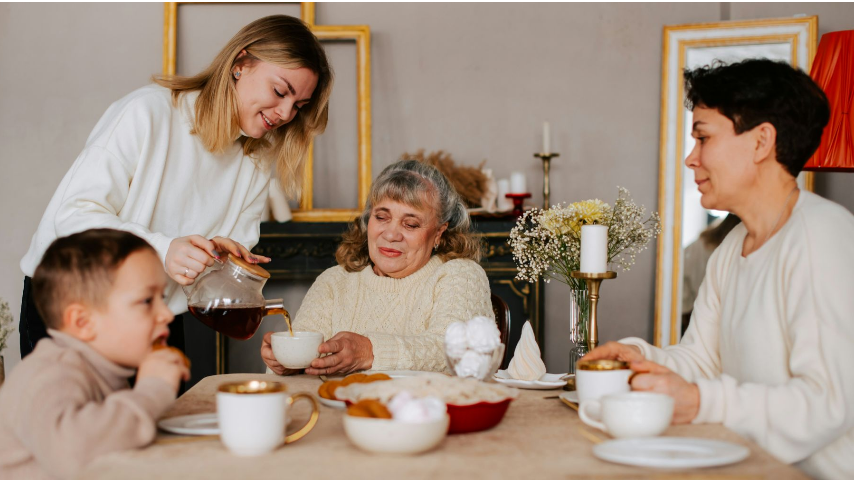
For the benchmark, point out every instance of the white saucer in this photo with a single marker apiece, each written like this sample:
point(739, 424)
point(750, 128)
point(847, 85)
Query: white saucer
point(332, 403)
point(671, 452)
point(198, 424)
point(569, 396)
point(548, 381)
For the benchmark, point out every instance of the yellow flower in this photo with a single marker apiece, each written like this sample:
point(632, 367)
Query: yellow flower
point(588, 212)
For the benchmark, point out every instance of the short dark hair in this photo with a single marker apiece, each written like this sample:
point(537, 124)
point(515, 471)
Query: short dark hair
point(755, 91)
point(81, 268)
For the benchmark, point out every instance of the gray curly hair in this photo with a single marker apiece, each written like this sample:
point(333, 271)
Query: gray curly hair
point(413, 183)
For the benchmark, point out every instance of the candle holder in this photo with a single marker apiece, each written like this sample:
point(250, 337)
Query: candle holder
point(547, 159)
point(593, 281)
point(518, 202)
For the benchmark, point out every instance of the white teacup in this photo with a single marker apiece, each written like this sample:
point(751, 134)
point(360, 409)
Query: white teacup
point(596, 378)
point(298, 351)
point(253, 416)
point(627, 415)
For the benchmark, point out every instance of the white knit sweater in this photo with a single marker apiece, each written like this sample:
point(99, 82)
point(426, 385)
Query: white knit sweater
point(771, 340)
point(142, 171)
point(406, 318)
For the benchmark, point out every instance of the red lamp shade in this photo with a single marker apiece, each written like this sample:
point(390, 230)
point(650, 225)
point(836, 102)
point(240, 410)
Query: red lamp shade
point(833, 71)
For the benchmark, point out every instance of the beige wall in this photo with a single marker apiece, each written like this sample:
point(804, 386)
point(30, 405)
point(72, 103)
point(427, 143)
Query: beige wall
point(474, 79)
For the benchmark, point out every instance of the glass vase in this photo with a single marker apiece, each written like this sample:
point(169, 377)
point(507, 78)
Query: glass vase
point(579, 315)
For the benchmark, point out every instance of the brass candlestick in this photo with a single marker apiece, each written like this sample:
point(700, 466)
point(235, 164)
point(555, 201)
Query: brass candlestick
point(547, 159)
point(593, 280)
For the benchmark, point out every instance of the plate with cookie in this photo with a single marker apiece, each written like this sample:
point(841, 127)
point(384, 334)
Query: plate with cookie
point(326, 391)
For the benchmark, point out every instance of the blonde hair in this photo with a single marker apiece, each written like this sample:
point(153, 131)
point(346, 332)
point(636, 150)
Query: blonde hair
point(412, 183)
point(280, 40)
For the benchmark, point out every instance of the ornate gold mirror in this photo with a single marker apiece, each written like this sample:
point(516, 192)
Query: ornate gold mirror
point(683, 218)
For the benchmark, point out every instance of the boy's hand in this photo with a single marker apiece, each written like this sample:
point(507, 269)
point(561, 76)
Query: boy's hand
point(164, 364)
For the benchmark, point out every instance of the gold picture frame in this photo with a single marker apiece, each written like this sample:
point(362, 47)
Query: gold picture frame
point(361, 34)
point(790, 39)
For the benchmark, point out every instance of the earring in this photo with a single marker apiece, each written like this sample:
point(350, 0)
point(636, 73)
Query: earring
point(237, 74)
point(436, 247)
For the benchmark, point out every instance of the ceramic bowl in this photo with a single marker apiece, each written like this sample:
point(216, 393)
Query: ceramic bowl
point(476, 417)
point(387, 436)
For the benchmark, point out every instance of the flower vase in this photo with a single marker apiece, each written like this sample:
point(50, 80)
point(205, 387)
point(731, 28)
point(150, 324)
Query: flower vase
point(579, 315)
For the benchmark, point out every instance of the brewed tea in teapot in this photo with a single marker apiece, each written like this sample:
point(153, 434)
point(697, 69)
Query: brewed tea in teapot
point(228, 298)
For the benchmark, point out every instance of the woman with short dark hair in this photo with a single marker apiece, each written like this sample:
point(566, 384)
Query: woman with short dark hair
point(770, 346)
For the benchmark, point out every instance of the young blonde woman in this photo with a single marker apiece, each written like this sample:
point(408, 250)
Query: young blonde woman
point(185, 163)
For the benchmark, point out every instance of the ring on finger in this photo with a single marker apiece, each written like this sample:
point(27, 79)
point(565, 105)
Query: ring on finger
point(187, 272)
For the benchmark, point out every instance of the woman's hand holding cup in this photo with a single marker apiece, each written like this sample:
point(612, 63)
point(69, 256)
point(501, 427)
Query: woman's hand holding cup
point(652, 377)
point(347, 352)
point(270, 359)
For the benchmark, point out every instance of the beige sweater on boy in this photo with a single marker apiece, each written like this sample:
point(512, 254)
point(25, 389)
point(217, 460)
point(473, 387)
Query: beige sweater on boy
point(65, 404)
point(405, 318)
point(771, 340)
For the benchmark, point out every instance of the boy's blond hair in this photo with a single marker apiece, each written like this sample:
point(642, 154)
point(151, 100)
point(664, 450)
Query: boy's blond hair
point(81, 268)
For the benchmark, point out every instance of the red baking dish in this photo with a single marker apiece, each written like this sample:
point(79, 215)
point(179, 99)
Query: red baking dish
point(476, 417)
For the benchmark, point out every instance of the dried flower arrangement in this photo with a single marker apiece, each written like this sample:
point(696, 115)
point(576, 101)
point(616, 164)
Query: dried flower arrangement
point(470, 182)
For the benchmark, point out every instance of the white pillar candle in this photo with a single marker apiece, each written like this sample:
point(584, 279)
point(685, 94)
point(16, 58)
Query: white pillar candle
point(504, 203)
point(546, 142)
point(517, 183)
point(594, 248)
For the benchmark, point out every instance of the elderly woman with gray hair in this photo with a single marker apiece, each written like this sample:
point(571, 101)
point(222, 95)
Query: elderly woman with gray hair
point(406, 270)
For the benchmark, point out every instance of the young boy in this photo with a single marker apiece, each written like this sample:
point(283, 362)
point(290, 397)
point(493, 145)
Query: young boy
point(100, 293)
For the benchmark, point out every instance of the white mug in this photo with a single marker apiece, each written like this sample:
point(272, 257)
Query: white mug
point(252, 416)
point(594, 384)
point(629, 415)
point(298, 351)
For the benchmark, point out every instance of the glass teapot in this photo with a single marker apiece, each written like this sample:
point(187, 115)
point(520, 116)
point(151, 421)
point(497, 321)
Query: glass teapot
point(228, 299)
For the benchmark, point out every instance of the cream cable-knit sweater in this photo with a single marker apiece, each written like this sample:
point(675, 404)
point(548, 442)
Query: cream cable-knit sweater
point(771, 340)
point(406, 318)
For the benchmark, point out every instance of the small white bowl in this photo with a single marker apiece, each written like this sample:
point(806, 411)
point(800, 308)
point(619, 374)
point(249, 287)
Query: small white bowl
point(387, 436)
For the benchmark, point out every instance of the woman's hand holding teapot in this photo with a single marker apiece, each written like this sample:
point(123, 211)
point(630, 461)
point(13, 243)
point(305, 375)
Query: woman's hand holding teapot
point(189, 256)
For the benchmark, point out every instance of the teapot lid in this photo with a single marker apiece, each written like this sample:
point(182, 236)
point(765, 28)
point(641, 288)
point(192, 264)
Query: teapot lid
point(249, 267)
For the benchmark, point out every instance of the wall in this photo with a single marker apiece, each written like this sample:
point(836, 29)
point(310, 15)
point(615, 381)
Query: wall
point(476, 80)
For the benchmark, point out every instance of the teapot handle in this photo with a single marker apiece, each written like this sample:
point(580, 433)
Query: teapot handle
point(189, 289)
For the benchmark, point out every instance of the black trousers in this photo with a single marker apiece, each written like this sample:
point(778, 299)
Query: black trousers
point(32, 327)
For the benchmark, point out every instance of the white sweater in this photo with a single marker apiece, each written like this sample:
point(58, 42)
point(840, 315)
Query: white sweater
point(142, 171)
point(771, 340)
point(405, 318)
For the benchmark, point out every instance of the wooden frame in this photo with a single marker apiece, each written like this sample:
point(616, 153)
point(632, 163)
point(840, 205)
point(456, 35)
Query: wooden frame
point(361, 34)
point(801, 35)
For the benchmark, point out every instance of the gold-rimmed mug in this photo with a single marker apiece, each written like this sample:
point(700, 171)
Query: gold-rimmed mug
point(253, 416)
point(595, 379)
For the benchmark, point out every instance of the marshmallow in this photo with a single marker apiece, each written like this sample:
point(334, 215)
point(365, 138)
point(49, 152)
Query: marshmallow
point(482, 334)
point(456, 342)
